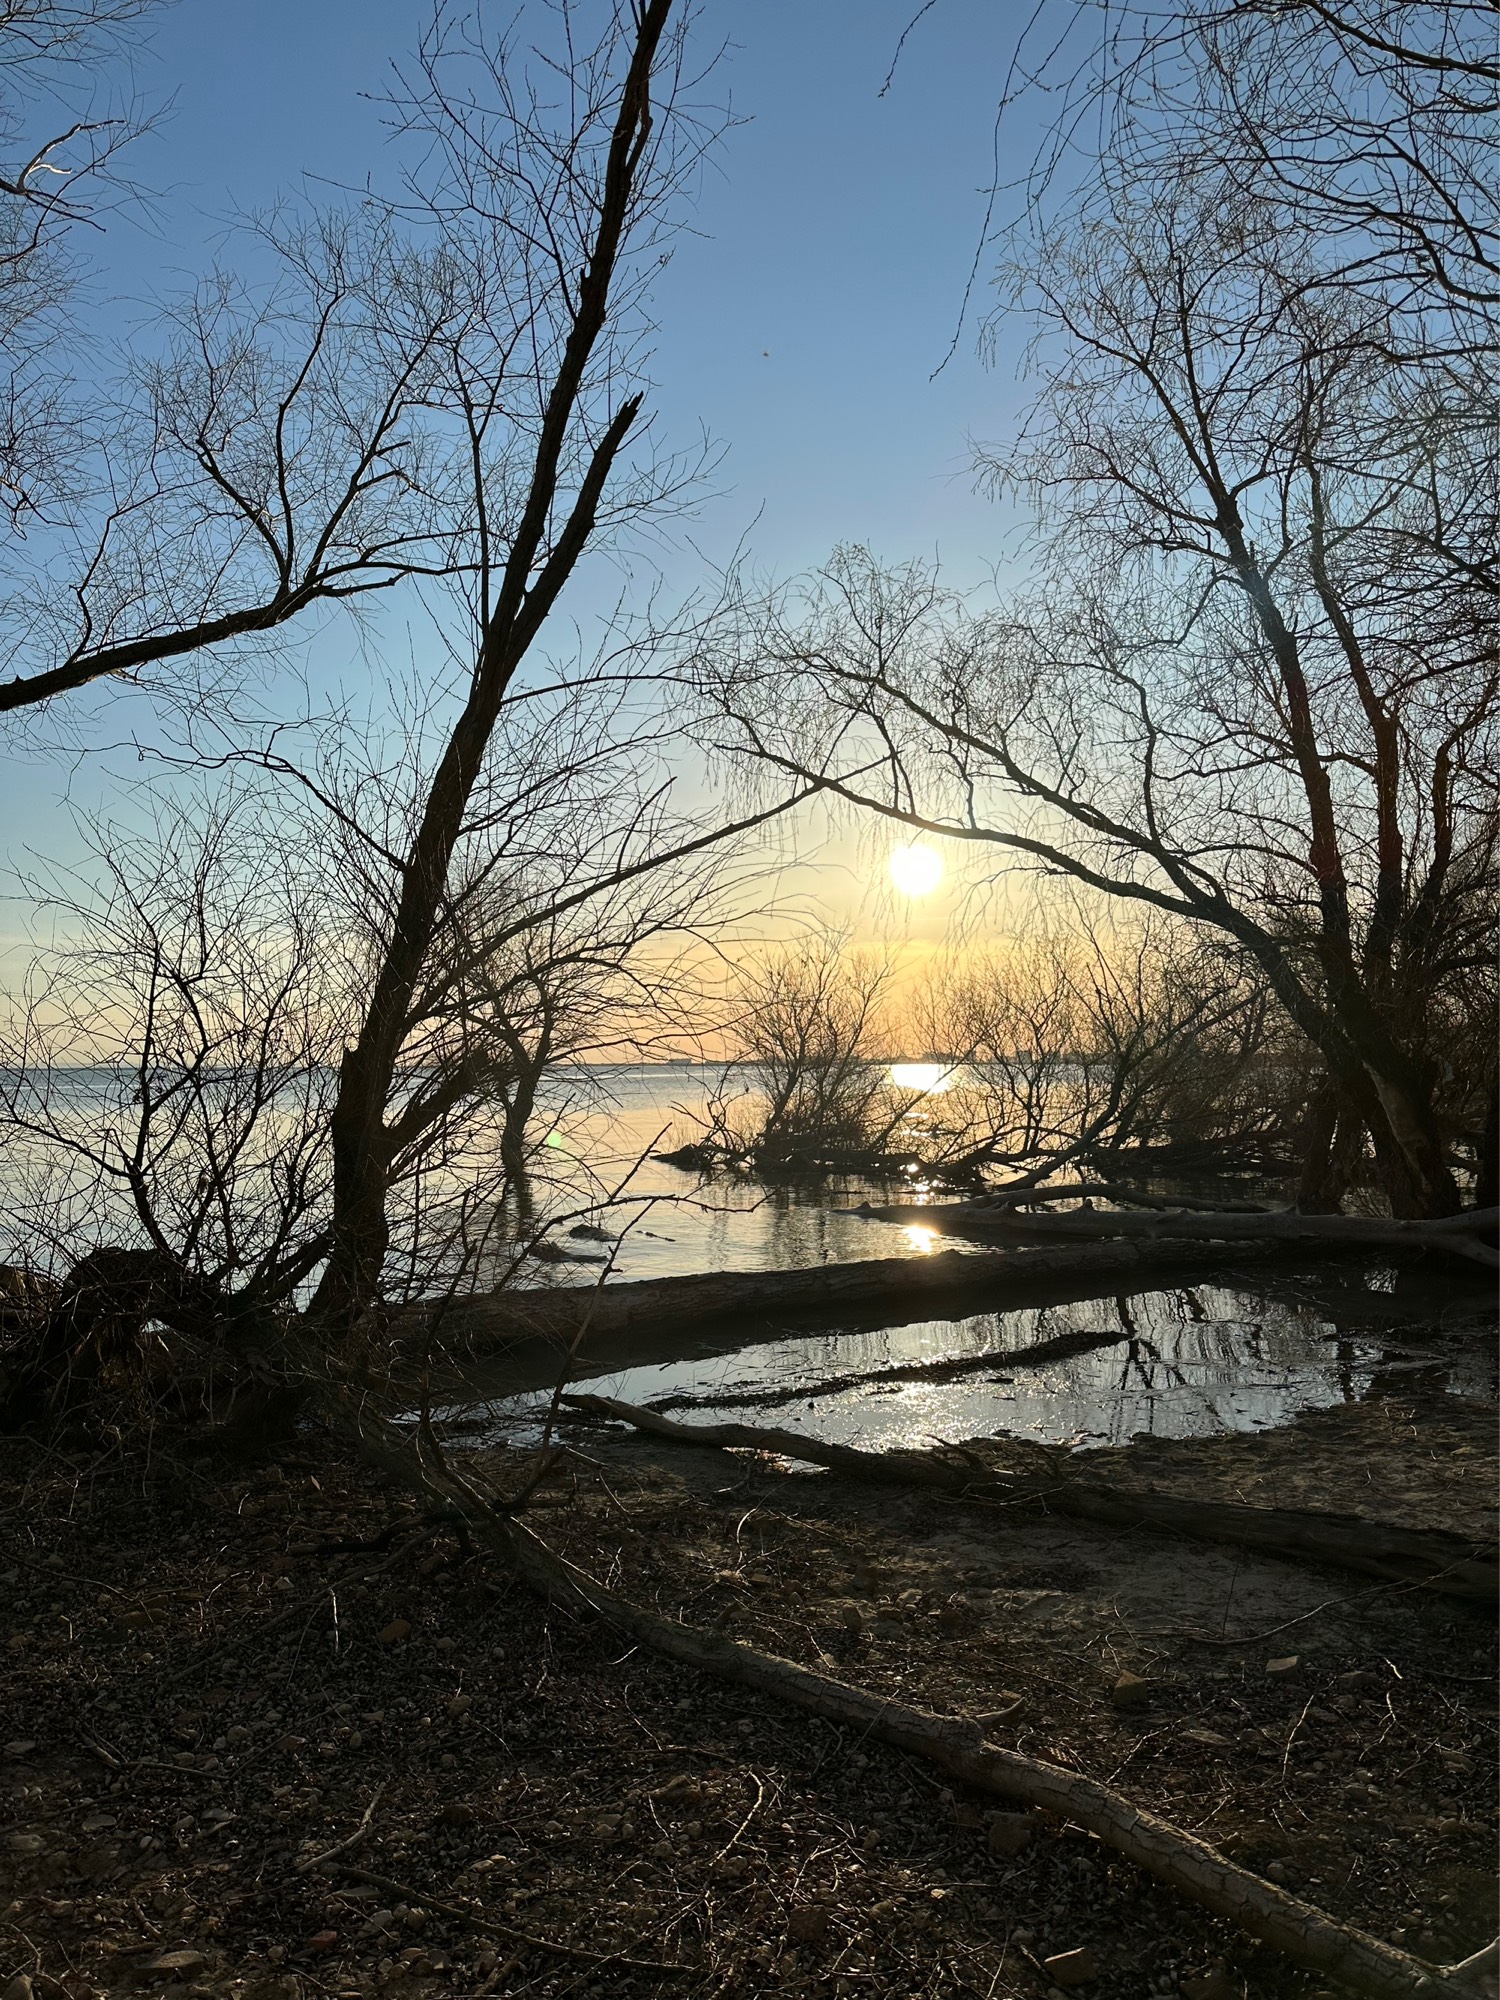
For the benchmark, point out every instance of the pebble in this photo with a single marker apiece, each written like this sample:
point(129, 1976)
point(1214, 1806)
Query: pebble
point(176, 1965)
point(1281, 1669)
point(398, 1629)
point(1007, 1833)
point(1131, 1690)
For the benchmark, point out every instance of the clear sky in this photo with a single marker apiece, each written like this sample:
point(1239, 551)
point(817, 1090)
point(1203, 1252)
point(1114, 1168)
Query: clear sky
point(801, 322)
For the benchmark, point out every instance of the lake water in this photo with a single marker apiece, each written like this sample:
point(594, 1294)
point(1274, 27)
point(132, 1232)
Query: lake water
point(1245, 1352)
point(1174, 1362)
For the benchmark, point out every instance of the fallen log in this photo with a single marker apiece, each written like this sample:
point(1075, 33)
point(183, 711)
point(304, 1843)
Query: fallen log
point(601, 1319)
point(1433, 1559)
point(957, 1745)
point(1470, 1235)
point(1021, 1194)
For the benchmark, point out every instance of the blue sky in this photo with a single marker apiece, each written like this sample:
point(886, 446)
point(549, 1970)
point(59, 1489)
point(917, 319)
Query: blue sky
point(801, 320)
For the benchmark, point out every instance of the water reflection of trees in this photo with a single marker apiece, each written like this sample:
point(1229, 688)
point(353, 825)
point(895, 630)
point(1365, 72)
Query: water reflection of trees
point(1185, 1361)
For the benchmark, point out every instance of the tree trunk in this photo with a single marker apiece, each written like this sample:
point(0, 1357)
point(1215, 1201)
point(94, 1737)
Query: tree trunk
point(553, 530)
point(1330, 1148)
point(518, 1112)
point(1417, 1179)
point(1487, 1181)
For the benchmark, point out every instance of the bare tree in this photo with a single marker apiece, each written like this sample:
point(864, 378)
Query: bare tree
point(66, 116)
point(1114, 1048)
point(1152, 750)
point(1254, 682)
point(1367, 123)
point(806, 1022)
point(569, 209)
point(489, 869)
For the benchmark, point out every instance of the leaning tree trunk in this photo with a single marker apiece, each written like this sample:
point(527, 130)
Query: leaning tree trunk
point(551, 535)
point(1416, 1173)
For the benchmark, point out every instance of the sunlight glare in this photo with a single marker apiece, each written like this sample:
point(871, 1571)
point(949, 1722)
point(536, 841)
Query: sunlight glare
point(921, 1238)
point(916, 870)
point(927, 1076)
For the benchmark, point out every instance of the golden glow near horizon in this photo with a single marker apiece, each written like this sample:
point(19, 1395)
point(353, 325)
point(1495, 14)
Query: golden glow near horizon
point(916, 870)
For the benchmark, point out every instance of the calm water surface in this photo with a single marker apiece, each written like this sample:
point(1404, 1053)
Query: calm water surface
point(1180, 1362)
point(1230, 1356)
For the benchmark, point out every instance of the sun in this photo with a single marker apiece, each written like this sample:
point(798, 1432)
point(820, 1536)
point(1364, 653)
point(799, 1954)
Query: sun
point(916, 870)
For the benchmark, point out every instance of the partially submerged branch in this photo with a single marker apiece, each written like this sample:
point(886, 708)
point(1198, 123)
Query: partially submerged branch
point(1469, 1235)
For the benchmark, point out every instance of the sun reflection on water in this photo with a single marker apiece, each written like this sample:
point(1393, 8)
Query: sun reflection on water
point(929, 1076)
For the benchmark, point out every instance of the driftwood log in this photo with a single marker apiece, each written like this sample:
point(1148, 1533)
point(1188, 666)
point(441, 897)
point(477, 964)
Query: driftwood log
point(955, 1744)
point(1433, 1559)
point(603, 1319)
point(1023, 1194)
point(1470, 1235)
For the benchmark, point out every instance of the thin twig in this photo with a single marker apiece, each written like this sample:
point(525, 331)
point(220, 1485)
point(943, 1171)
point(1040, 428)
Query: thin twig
point(529, 1938)
point(342, 1847)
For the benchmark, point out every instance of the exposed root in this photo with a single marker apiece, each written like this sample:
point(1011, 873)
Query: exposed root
point(956, 1745)
point(1440, 1561)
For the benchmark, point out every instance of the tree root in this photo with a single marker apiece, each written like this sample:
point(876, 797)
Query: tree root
point(956, 1745)
point(1431, 1558)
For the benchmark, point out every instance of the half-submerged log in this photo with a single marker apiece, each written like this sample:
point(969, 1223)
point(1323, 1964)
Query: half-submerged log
point(1470, 1235)
point(600, 1320)
point(950, 1368)
point(1431, 1559)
